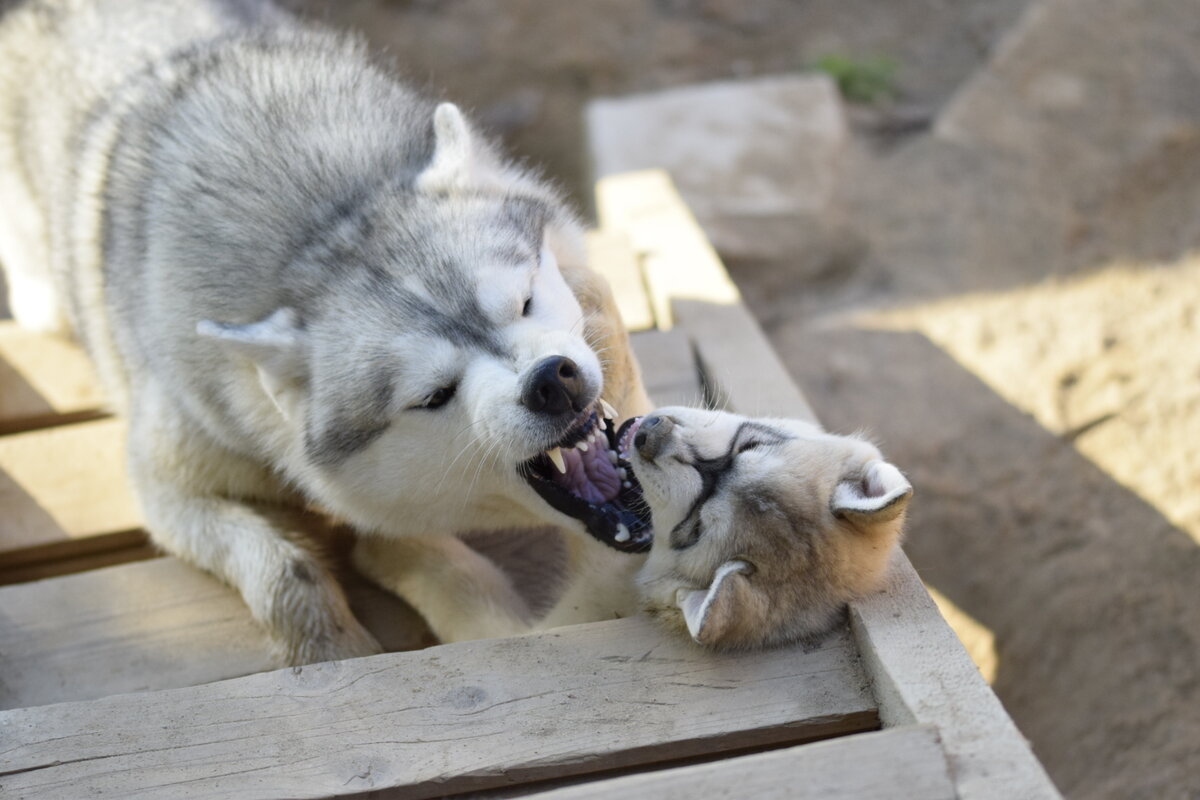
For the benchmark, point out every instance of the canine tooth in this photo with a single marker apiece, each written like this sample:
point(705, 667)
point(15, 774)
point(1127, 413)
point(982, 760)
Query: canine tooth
point(609, 411)
point(581, 446)
point(622, 533)
point(612, 456)
point(556, 456)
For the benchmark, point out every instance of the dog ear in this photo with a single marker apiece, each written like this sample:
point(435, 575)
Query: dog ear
point(879, 495)
point(712, 614)
point(276, 345)
point(452, 151)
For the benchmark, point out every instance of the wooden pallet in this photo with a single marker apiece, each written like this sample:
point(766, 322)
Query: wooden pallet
point(148, 678)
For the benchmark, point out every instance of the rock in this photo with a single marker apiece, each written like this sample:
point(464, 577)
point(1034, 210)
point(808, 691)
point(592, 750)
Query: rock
point(757, 160)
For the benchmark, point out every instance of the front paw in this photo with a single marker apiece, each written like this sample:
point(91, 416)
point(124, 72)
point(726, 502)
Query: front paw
point(336, 644)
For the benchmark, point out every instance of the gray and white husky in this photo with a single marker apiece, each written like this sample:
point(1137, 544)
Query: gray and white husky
point(304, 283)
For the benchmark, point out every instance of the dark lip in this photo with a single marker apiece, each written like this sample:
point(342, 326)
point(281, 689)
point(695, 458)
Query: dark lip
point(602, 521)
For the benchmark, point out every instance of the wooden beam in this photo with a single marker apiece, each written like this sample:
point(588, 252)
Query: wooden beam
point(669, 369)
point(611, 254)
point(63, 484)
point(689, 286)
point(677, 260)
point(448, 719)
point(44, 380)
point(901, 762)
point(159, 624)
point(922, 674)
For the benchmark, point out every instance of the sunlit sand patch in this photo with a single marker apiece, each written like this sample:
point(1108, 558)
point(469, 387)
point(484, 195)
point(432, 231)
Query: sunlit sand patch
point(1109, 362)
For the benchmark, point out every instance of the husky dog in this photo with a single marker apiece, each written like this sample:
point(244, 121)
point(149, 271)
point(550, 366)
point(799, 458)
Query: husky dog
point(304, 283)
point(764, 528)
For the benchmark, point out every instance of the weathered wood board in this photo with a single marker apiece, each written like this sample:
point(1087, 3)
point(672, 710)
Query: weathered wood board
point(885, 765)
point(669, 369)
point(44, 380)
point(611, 254)
point(448, 719)
point(155, 625)
point(64, 485)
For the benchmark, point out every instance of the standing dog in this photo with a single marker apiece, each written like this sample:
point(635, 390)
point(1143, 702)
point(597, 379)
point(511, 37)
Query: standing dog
point(304, 283)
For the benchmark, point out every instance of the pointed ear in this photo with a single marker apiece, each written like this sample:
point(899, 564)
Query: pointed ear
point(452, 151)
point(879, 495)
point(711, 614)
point(277, 345)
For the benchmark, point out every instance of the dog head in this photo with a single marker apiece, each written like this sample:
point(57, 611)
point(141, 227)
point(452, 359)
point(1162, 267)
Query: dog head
point(764, 528)
point(429, 364)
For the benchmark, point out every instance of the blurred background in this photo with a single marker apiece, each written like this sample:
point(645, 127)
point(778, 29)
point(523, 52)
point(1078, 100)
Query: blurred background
point(969, 227)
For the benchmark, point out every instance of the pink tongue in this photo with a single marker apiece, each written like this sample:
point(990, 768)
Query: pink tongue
point(590, 475)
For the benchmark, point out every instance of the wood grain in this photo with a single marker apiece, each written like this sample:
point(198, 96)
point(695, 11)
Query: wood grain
point(65, 483)
point(44, 380)
point(154, 625)
point(455, 718)
point(921, 673)
point(674, 252)
point(669, 369)
point(611, 254)
point(689, 286)
point(901, 762)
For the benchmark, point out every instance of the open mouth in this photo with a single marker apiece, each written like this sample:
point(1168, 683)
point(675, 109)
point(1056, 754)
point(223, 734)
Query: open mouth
point(587, 475)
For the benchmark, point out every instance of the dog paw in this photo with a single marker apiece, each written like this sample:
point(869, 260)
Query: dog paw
point(336, 645)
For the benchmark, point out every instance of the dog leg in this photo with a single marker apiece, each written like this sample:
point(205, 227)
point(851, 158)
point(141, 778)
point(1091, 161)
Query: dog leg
point(461, 593)
point(249, 545)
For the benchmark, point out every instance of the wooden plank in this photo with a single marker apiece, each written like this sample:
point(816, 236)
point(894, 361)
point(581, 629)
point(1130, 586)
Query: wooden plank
point(901, 762)
point(669, 369)
point(675, 253)
point(688, 285)
point(921, 673)
point(40, 563)
point(44, 380)
point(448, 719)
point(66, 483)
point(611, 254)
point(159, 624)
point(919, 669)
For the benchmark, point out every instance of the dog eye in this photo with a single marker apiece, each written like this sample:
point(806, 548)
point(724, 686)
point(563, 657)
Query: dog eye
point(752, 444)
point(528, 304)
point(440, 397)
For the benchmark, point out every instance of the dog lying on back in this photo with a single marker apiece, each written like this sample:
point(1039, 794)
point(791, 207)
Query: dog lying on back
point(764, 528)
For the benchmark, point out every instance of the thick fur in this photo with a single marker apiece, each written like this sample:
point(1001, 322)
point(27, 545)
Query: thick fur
point(304, 284)
point(764, 528)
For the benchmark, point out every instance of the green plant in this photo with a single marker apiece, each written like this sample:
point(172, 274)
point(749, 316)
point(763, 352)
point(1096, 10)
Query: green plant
point(860, 80)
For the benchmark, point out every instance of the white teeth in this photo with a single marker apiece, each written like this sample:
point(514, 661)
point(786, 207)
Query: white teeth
point(627, 485)
point(622, 533)
point(612, 456)
point(609, 411)
point(581, 446)
point(556, 456)
point(622, 473)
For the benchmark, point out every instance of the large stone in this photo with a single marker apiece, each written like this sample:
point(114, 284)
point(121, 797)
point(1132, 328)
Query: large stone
point(757, 160)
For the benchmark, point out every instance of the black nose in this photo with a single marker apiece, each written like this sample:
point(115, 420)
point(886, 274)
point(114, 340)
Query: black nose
point(554, 386)
point(652, 435)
